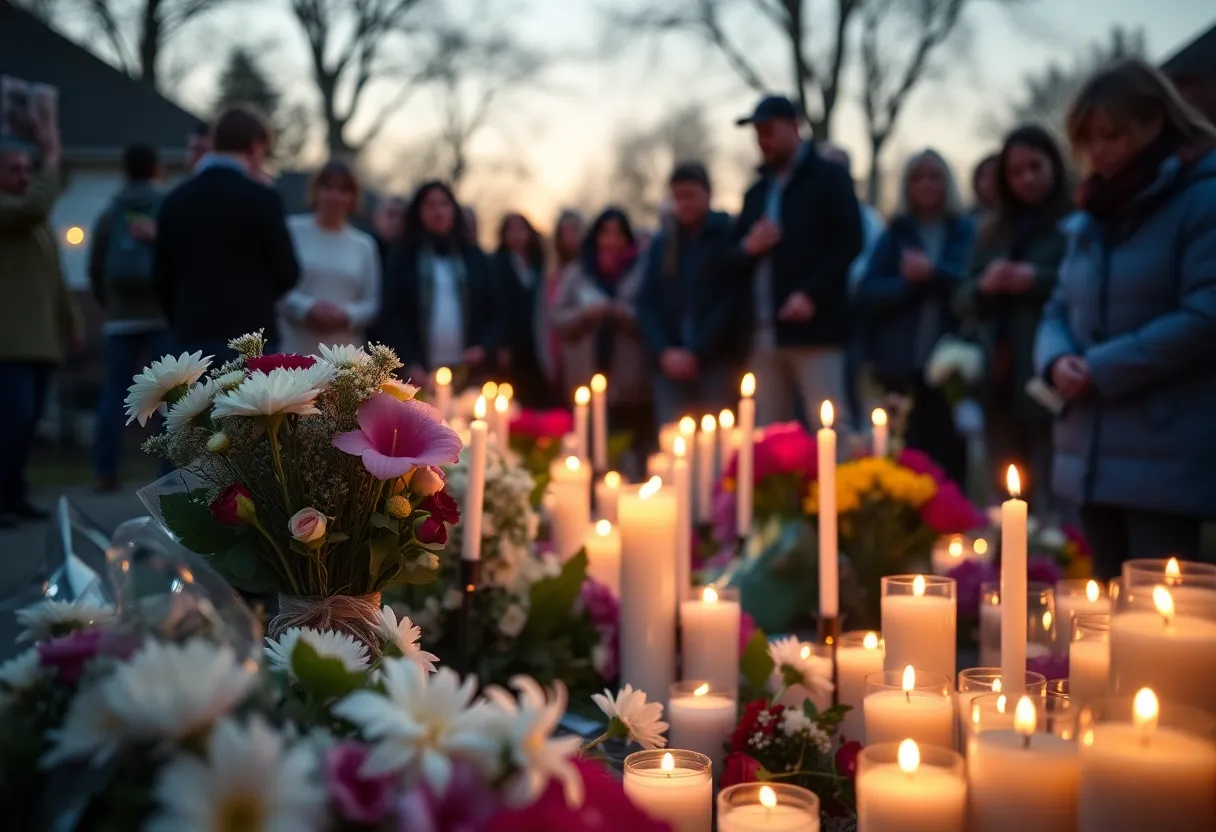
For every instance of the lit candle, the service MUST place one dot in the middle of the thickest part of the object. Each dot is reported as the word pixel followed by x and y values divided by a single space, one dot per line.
pixel 582 401
pixel 949 552
pixel 920 623
pixel 858 655
pixel 1040 600
pixel 728 437
pixel 658 465
pixel 648 587
pixel 707 456
pixel 710 623
pixel 667 436
pixel 765 807
pixel 1013 580
pixel 599 420
pixel 908 704
pixel 604 556
pixel 681 483
pixel 607 492
pixel 502 421
pixel 829 580
pixel 879 419
pixel 489 392
pixel 474 503
pixel 1089 658
pixel 702 718
pixel 744 487
pixel 443 391
pixel 570 509
pixel 906 788
pixel 672 786
pixel 1080 597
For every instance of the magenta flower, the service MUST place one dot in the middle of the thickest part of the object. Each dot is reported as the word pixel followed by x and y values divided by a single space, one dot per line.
pixel 747 628
pixel 359 799
pixel 606 807
pixel 395 437
pixel 466 806
pixel 70 654
pixel 950 512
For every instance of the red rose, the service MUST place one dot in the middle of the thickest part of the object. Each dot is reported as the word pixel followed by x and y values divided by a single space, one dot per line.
pixel 433 530
pixel 750 724
pixel 234 507
pixel 279 361
pixel 739 768
pixel 441 505
pixel 846 758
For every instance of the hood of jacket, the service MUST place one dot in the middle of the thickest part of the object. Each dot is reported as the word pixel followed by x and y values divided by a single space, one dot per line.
pixel 143 197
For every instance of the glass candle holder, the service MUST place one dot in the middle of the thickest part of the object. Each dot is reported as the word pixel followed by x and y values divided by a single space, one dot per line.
pixel 757 807
pixel 1058 689
pixel 909 704
pixel 1164 637
pixel 920 623
pixel 954 550
pixel 1126 747
pixel 858 654
pixel 981 681
pixel 1089 658
pixel 709 618
pixel 1079 596
pixel 906 787
pixel 1163 570
pixel 1040 621
pixel 701 717
pixel 674 786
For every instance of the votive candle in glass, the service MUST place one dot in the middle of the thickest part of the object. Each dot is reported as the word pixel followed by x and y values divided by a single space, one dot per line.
pixel 767 807
pixel 1080 596
pixel 701 717
pixel 1166 570
pixel 1040 608
pixel 858 655
pixel 1089 658
pixel 920 623
pixel 1058 689
pixel 909 704
pixel 981 681
pixel 709 624
pixel 906 787
pixel 675 786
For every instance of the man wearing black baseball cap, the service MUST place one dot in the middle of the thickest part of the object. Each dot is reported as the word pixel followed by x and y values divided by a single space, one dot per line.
pixel 799 229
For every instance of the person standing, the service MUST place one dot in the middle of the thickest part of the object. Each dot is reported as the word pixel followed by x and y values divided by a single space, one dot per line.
pixel 1128 338
pixel 906 295
pixel 689 304
pixel 519 268
pixel 984 187
pixel 567 240
pixel 388 223
pixel 223 256
pixel 1012 274
pixel 120 274
pixel 338 295
pixel 38 322
pixel 800 229
pixel 198 144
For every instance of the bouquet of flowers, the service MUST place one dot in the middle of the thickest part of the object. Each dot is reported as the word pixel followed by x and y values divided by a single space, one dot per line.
pixel 536 437
pixel 785 460
pixel 317 476
pixel 955 366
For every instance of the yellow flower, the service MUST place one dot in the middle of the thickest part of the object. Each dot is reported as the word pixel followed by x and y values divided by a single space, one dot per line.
pixel 399 507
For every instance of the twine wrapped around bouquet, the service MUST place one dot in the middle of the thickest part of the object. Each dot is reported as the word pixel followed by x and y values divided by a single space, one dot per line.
pixel 355 615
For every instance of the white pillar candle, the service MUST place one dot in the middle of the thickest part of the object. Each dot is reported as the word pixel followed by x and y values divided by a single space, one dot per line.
pixel 829 578
pixel 603 547
pixel 658 465
pixel 502 421
pixel 728 438
pixel 1142 774
pixel 1080 597
pixel 709 622
pixel 607 492
pixel 744 487
pixel 681 482
pixel 648 587
pixel 1022 779
pixel 474 502
pixel 443 391
pixel 667 436
pixel 688 432
pixel 673 786
pixel 879 420
pixel 1013 580
pixel 917 706
pixel 582 403
pixel 701 718
pixel 906 788
pixel 707 467
pixel 599 421
pixel 920 623
pixel 1088 670
pixel 767 807
pixel 570 509
pixel 858 655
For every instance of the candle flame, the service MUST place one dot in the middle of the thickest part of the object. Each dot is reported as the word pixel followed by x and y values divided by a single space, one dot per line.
pixel 505 389
pixel 918 585
pixel 669 762
pixel 996 685
pixel 826 414
pixel 768 797
pixel 879 417
pixel 1087 739
pixel 1091 591
pixel 1025 717
pixel 688 426
pixel 479 409
pixel 679 447
pixel 702 690
pixel 708 424
pixel 1013 481
pixel 1164 602
pixel 709 595
pixel 501 404
pixel 1145 711
pixel 1047 619
pixel 909 680
pixel 956 547
pixel 1001 703
pixel 870 642
pixel 975 714
pixel 805 652
pixel 443 376
pixel 598 383
pixel 582 397
pixel 612 479
pixel 908 756
pixel 489 390
pixel 603 528
pixel 652 487
pixel 1172 570
pixel 726 419
pixel 747 388
pixel 572 463
pixel 980 546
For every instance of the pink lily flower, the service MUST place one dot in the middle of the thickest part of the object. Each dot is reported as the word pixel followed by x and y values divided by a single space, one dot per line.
pixel 395 437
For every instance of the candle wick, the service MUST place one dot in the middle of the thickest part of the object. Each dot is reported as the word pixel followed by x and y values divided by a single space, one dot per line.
pixel 908 696
pixel 1026 741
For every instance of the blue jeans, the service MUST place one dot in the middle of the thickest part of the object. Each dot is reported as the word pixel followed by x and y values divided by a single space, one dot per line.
pixel 24 385
pixel 125 355
pixel 710 392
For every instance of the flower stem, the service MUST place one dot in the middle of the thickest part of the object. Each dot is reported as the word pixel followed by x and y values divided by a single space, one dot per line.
pixel 278 462
pixel 593 744
pixel 789 775
pixel 289 573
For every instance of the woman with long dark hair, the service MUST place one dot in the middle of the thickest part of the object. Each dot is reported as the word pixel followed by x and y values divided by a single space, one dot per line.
pixel 440 301
pixel 1128 339
pixel 1013 272
pixel 519 268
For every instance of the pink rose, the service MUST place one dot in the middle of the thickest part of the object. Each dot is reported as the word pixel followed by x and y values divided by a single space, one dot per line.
pixel 359 799
pixel 426 481
pixel 307 525
pixel 234 506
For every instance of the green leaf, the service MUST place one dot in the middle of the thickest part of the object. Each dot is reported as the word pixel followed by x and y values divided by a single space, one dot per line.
pixel 552 599
pixel 242 559
pixel 808 708
pixel 382 548
pixel 756 665
pixel 390 575
pixel 324 679
pixel 763 774
pixel 336 537
pixel 188 517
pixel 383 521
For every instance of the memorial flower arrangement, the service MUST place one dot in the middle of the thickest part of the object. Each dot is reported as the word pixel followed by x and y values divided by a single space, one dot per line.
pixel 785 462
pixel 955 366
pixel 317 476
pixel 536 438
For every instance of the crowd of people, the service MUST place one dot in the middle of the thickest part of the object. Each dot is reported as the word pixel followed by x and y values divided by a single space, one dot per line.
pixel 1097 315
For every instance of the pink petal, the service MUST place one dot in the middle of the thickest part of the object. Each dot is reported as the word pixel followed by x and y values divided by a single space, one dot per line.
pixel 384 467
pixel 353 442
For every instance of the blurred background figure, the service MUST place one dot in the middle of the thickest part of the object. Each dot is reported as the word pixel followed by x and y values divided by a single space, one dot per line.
pixel 984 187
pixel 388 223
pixel 567 241
pixel 472 231
pixel 519 269
pixel 198 144
pixel 338 295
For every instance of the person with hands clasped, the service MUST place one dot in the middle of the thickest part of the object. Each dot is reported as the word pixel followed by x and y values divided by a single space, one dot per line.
pixel 1128 338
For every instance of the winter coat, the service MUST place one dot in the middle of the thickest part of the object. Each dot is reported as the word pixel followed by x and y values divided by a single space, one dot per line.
pixel 130 302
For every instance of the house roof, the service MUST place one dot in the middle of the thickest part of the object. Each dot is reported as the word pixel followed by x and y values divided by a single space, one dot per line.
pixel 1197 58
pixel 101 109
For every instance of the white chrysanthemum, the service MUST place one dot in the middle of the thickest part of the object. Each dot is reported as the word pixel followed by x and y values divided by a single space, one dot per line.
pixel 795 663
pixel 191 406
pixel 250 780
pixel 422 722
pixel 342 355
pixel 48 619
pixel 276 393
pixel 230 381
pixel 631 716
pixel 21 672
pixel 406 637
pixel 147 395
pixel 90 729
pixel 527 727
pixel 329 644
pixel 794 720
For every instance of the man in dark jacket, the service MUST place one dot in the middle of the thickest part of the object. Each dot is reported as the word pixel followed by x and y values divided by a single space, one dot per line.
pixel 691 307
pixel 800 229
pixel 223 253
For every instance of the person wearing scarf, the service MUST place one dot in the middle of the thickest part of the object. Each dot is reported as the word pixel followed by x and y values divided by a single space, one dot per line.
pixel 519 267
pixel 1012 273
pixel 1128 338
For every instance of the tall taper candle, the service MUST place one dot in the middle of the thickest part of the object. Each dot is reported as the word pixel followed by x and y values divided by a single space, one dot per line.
pixel 607 492
pixel 744 491
pixel 707 464
pixel 728 439
pixel 881 435
pixel 475 494
pixel 681 481
pixel 502 421
pixel 443 391
pixel 1013 580
pixel 599 421
pixel 648 587
pixel 582 401
pixel 829 578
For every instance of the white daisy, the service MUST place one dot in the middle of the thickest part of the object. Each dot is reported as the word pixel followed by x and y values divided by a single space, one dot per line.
pixel 21 672
pixel 48 619
pixel 249 780
pixel 405 636
pixel 527 727
pixel 276 393
pixel 421 721
pixel 631 716
pixel 164 379
pixel 191 406
pixel 230 381
pixel 90 729
pixel 796 664
pixel 329 644
pixel 342 355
